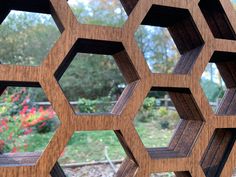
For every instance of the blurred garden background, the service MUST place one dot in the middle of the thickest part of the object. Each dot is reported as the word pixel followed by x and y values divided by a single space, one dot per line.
pixel 92 83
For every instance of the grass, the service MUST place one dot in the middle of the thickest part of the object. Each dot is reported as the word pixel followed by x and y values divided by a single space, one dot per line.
pixel 153 136
pixel 90 146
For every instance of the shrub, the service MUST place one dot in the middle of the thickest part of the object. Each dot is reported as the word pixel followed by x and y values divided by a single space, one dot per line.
pixel 103 104
pixel 19 117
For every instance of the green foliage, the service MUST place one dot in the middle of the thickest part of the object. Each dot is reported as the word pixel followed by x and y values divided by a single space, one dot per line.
pixel 149 103
pixel 212 90
pixel 158 48
pixel 147 112
pixel 87 106
pixel 103 104
pixel 91 77
pixel 23 34
pixel 164 118
pixel 19 118
pixel 100 12
pixel 162 112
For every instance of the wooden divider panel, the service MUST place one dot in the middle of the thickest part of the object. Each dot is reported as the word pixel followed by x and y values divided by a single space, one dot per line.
pixel 199 147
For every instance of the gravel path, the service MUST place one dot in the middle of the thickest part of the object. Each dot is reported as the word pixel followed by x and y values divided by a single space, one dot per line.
pixel 91 171
pixel 103 171
pixel 99 171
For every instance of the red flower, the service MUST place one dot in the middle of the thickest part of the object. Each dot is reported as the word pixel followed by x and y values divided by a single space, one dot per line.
pixel 4 124
pixel 14 150
pixel 2 142
pixel 33 110
pixel 41 109
pixel 23 111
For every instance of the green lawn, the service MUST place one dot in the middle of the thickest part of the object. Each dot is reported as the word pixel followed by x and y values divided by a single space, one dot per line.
pixel 90 146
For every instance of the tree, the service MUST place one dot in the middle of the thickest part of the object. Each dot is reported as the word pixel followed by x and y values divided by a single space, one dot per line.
pixel 26 38
pixel 158 48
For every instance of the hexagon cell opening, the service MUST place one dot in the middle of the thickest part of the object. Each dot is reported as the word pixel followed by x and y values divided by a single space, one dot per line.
pixel 185 119
pixel 90 12
pixel 168 42
pixel 157 120
pixel 80 150
pixel 213 86
pixel 221 68
pixel 105 76
pixel 27 125
pixel 22 34
pixel 158 48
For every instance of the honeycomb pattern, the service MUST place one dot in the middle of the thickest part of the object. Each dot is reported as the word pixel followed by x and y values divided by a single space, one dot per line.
pixel 199 28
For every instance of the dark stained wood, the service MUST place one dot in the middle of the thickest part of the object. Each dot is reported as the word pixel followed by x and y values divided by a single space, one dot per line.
pixel 42 6
pixel 3 14
pixel 197 138
pixel 217 19
pixel 129 5
pixel 218 151
pixel 128 169
pixel 57 171
pixel 182 174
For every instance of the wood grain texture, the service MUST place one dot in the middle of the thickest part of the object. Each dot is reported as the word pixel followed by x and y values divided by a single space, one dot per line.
pixel 204 31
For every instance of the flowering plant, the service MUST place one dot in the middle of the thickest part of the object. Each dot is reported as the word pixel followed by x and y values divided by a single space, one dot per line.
pixel 20 117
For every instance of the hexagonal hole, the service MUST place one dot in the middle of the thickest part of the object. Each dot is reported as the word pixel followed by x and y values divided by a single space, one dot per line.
pixel 93 82
pixel 157 119
pixel 27 124
pixel 97 153
pixel 169 125
pixel 97 13
pixel 158 48
pixel 172 174
pixel 169 40
pixel 216 78
pixel 217 19
pixel 22 34
pixel 213 85
pixel 218 151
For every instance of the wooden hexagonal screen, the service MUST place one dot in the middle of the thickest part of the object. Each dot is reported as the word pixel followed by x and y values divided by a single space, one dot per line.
pixel 199 32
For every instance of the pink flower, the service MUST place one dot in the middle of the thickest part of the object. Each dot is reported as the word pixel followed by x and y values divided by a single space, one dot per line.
pixel 42 125
pixel 33 110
